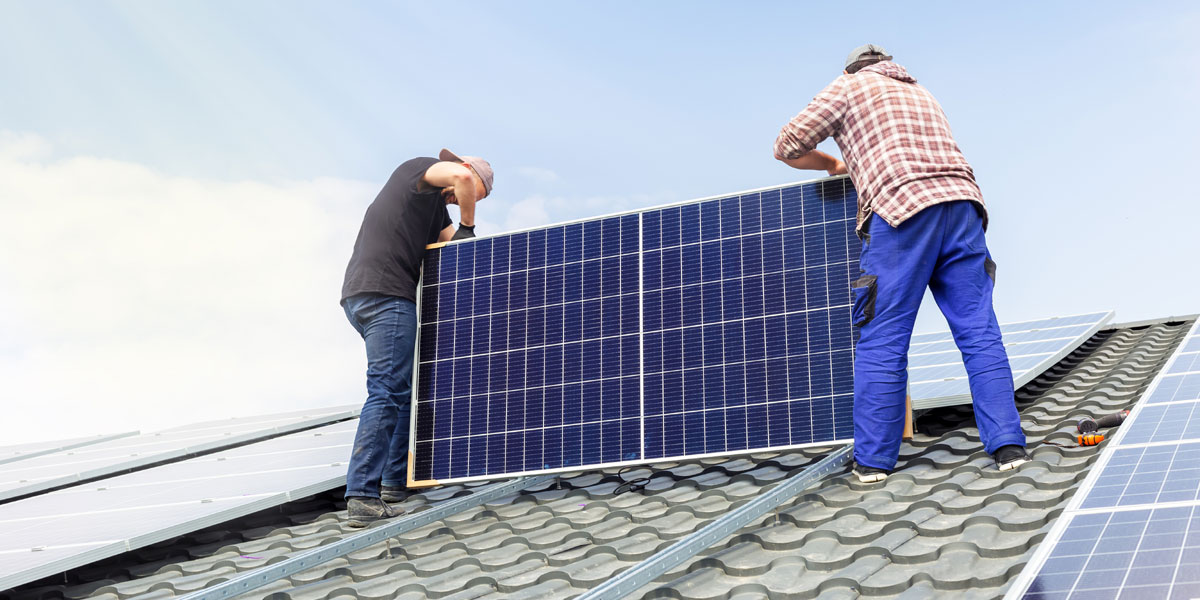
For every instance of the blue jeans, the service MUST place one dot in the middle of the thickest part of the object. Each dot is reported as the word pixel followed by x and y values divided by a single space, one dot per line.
pixel 388 324
pixel 941 247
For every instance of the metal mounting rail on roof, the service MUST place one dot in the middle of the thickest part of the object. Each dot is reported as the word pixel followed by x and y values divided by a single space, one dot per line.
pixel 260 577
pixel 650 569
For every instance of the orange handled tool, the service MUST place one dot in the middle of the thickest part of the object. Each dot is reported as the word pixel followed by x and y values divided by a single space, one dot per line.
pixel 1089 427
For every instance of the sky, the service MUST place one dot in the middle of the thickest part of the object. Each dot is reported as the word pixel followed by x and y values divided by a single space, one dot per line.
pixel 181 183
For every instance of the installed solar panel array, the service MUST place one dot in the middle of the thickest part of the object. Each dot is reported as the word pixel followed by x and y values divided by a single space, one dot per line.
pixel 1133 529
pixel 53 532
pixel 936 376
pixel 712 327
pixel 48 471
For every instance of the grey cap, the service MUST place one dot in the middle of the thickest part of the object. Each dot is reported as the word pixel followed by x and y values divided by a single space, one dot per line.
pixel 866 51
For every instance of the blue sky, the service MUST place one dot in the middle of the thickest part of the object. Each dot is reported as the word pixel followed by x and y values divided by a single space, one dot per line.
pixel 181 182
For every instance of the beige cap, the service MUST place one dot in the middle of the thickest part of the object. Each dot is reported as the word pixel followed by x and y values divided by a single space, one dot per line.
pixel 480 166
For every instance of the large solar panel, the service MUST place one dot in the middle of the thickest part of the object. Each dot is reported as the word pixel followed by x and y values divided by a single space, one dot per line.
pixel 936 376
pixel 24 451
pixel 53 532
pixel 1133 528
pixel 711 327
pixel 115 456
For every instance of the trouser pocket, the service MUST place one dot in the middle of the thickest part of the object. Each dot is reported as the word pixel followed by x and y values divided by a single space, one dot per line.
pixel 864 300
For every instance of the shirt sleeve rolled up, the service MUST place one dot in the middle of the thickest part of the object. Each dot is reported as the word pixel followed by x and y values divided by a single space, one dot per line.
pixel 819 120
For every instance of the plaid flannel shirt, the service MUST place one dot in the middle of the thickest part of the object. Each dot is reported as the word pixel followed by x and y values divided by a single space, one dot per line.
pixel 894 139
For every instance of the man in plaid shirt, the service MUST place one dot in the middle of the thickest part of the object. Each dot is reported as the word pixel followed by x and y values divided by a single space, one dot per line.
pixel 921 218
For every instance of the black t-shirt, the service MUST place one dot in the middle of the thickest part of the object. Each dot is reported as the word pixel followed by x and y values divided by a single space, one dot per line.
pixel 391 242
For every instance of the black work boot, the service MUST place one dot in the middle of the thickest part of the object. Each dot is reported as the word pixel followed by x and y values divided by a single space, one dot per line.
pixel 362 511
pixel 1010 457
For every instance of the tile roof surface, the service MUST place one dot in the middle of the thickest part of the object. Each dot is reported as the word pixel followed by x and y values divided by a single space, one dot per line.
pixel 945 524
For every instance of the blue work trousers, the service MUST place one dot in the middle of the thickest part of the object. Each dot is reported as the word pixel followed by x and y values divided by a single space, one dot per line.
pixel 941 247
pixel 388 325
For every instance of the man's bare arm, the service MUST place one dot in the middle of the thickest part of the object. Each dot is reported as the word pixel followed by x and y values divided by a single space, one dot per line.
pixel 446 234
pixel 459 178
pixel 815 160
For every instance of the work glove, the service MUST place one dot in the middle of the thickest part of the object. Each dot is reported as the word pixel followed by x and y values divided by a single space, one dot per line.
pixel 464 232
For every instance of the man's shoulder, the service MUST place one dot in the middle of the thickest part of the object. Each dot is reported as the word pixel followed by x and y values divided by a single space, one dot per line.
pixel 420 163
pixel 408 175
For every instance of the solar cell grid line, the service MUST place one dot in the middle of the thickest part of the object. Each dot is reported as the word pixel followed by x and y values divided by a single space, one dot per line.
pixel 608 309
pixel 1148 474
pixel 1168 422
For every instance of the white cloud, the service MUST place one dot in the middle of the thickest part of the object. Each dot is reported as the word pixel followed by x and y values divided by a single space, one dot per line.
pixel 22 146
pixel 130 299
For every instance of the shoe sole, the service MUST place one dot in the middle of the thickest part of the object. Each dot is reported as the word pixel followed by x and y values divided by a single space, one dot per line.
pixel 870 477
pixel 1012 464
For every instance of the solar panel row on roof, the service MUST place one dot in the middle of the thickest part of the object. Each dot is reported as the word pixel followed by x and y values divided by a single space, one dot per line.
pixel 117 455
pixel 57 531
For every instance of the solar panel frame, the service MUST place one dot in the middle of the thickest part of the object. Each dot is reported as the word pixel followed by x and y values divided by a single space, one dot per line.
pixel 691 206
pixel 948 386
pixel 16 452
pixel 68 528
pixel 1124 481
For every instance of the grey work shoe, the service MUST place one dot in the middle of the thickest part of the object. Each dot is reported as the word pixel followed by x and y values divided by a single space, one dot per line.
pixel 1010 457
pixel 393 493
pixel 867 474
pixel 362 511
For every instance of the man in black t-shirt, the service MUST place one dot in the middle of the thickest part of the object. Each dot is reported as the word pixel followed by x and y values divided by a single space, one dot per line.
pixel 379 297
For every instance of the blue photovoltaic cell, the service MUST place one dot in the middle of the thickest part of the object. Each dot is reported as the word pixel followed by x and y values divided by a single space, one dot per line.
pixel 1147 475
pixel 1186 363
pixel 711 327
pixel 1127 554
pixel 1176 387
pixel 1163 423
